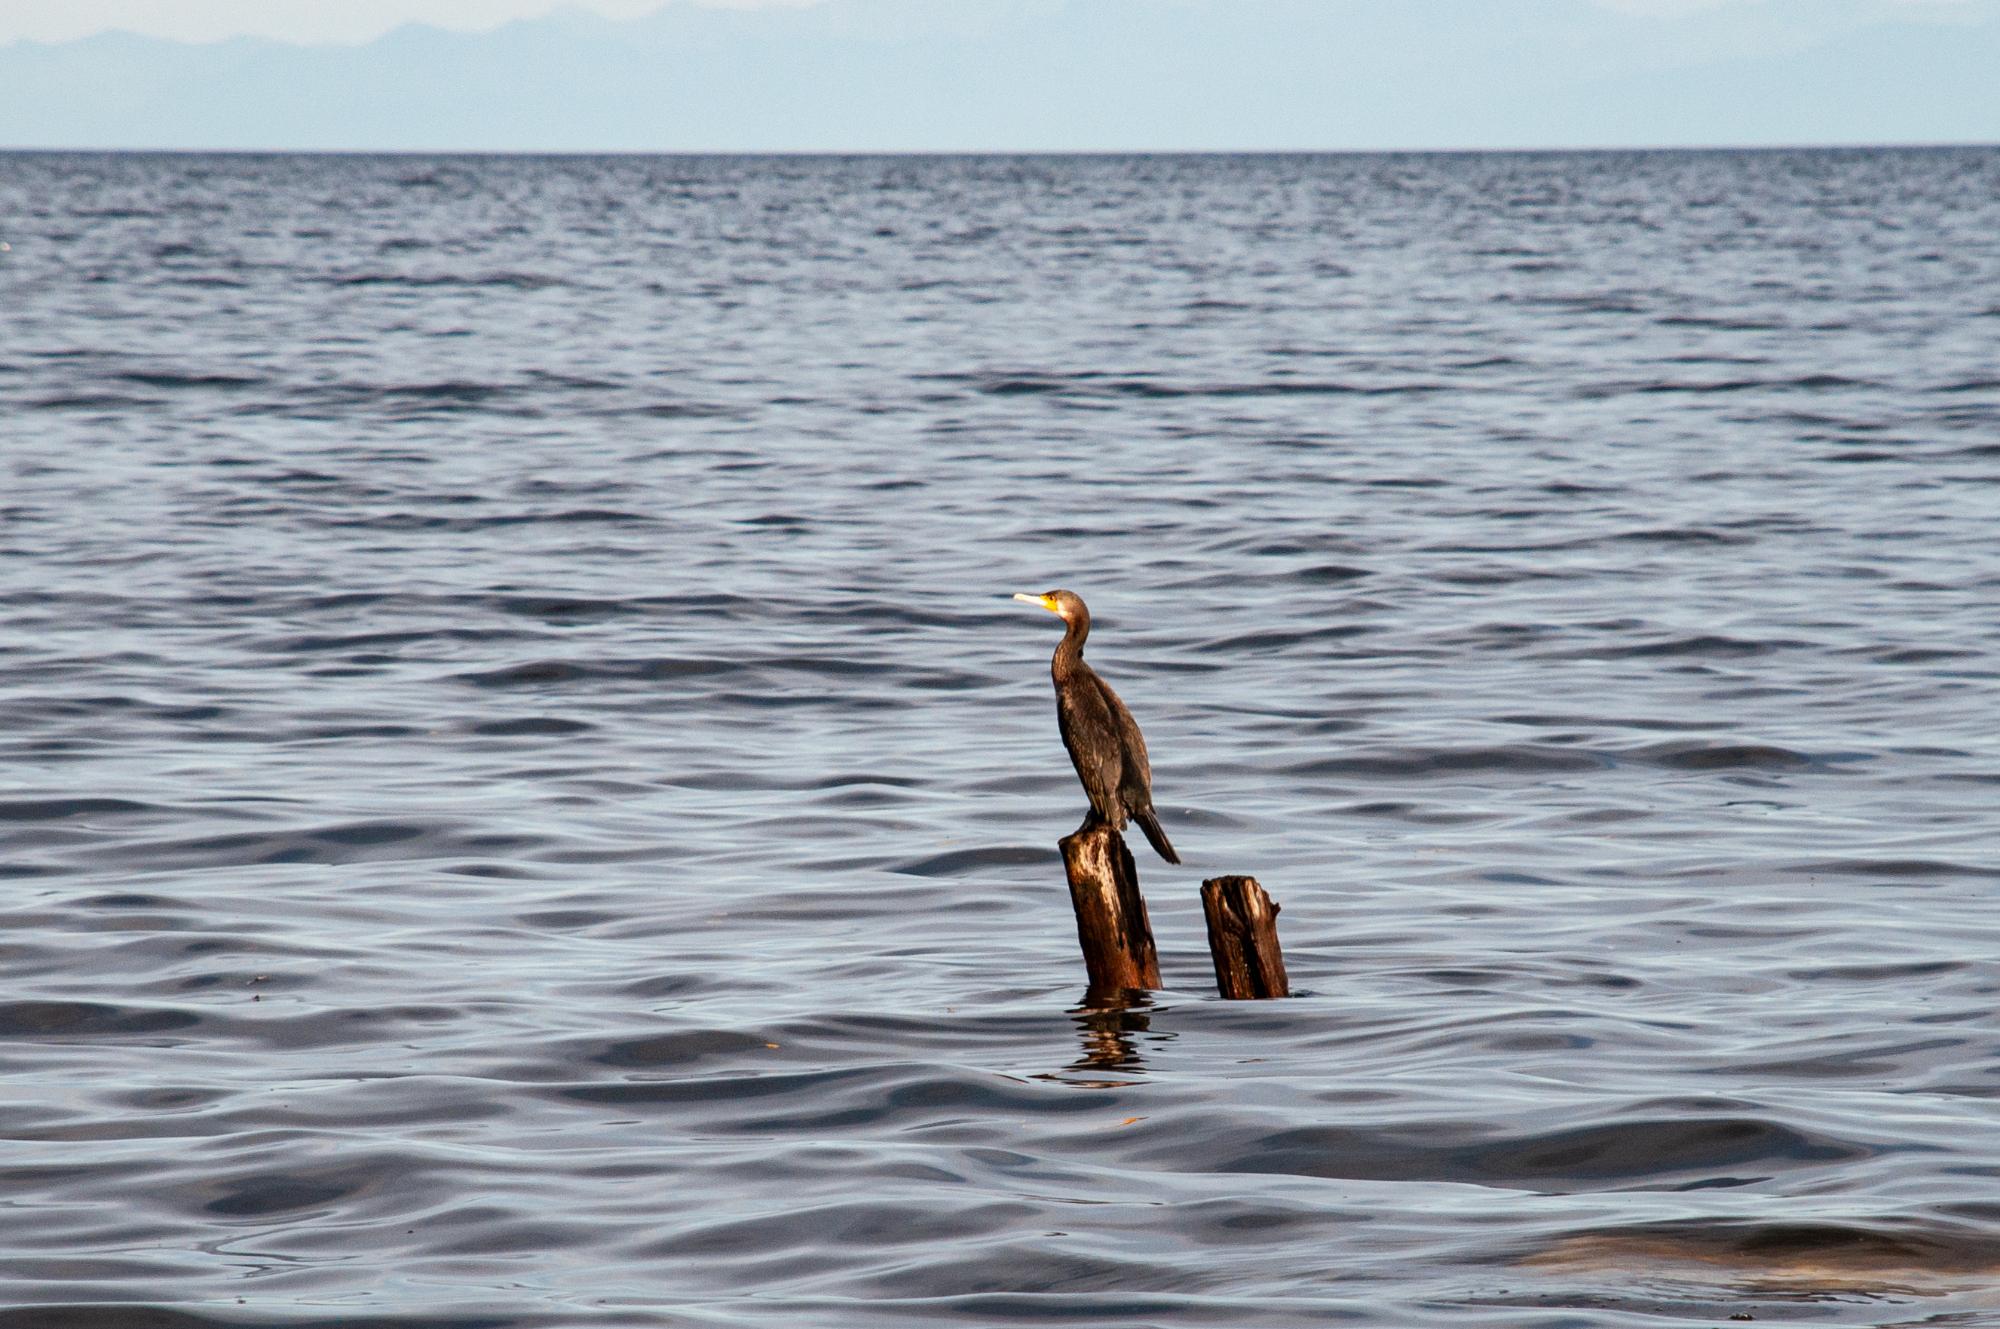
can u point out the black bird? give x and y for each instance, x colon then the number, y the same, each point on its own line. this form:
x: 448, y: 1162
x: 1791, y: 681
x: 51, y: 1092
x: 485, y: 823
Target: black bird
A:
x: 1104, y: 742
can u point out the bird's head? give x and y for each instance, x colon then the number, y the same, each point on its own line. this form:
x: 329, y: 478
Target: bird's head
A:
x: 1066, y: 605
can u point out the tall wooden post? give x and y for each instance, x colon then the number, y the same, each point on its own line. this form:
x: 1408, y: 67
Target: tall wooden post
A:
x: 1243, y: 939
x: 1111, y: 922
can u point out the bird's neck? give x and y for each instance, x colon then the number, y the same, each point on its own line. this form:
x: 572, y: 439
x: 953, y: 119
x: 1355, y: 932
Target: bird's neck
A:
x: 1069, y: 654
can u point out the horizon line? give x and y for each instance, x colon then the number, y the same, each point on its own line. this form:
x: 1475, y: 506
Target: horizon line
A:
x: 1915, y: 145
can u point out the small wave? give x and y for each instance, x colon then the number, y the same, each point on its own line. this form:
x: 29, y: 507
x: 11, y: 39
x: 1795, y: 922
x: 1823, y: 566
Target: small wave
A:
x: 1683, y: 535
x: 135, y: 900
x: 680, y: 1049
x: 424, y: 521
x: 75, y: 1019
x: 515, y: 281
x: 1852, y: 458
x: 1279, y: 640
x: 572, y: 382
x: 350, y: 642
x: 720, y: 1091
x: 1911, y: 655
x: 1328, y: 574
x: 1693, y: 755
x: 1411, y: 765
x: 1801, y: 383
x: 459, y: 390
x: 1718, y: 323
x: 1103, y: 385
x: 340, y: 842
x: 1704, y: 645
x: 268, y: 1194
x: 529, y: 726
x: 1879, y: 973
x: 1592, y: 303
x: 57, y: 809
x: 961, y: 862
x: 540, y: 673
x: 91, y: 401
x: 165, y: 379
x: 1908, y: 869
x: 563, y: 609
x: 870, y: 778
x: 670, y: 410
x: 1604, y: 1156
x: 878, y: 1096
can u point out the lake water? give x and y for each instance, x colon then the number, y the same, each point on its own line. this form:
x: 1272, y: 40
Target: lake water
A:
x: 526, y: 802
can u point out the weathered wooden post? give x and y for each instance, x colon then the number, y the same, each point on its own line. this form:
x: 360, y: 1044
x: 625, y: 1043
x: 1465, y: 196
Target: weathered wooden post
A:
x: 1111, y: 922
x: 1243, y: 939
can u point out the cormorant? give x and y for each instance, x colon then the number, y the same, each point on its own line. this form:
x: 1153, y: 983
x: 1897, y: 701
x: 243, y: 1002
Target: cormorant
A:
x: 1104, y: 742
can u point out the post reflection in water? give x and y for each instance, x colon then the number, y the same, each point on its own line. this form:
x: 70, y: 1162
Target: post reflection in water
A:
x: 1106, y: 1025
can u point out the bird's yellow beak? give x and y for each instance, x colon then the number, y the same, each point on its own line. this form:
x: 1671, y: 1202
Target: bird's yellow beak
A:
x: 1041, y: 600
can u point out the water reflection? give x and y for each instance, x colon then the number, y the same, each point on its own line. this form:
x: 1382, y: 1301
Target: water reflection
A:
x: 1108, y: 1026
x: 1879, y: 1257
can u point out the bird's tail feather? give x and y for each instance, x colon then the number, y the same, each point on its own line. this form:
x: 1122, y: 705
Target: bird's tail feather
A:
x: 1156, y: 837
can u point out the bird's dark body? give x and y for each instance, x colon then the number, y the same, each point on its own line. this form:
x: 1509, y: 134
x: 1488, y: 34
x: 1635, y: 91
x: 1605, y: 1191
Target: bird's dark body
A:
x: 1104, y: 742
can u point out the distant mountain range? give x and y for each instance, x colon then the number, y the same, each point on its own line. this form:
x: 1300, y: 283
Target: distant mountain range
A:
x: 917, y: 75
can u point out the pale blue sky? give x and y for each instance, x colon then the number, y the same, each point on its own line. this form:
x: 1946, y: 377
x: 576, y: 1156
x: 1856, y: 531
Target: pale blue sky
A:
x: 637, y: 75
x: 353, y: 21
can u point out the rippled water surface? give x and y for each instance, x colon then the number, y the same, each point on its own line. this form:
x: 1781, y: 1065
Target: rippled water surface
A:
x: 526, y: 802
